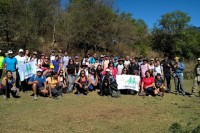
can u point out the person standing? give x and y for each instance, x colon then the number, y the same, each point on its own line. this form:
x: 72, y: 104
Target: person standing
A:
x: 21, y: 59
x: 52, y: 57
x: 1, y: 63
x: 167, y: 66
x: 178, y: 69
x: 65, y: 61
x: 10, y: 63
x: 196, y: 78
x: 71, y: 72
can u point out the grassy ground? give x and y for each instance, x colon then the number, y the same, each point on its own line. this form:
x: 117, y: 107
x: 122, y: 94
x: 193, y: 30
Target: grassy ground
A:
x: 93, y: 113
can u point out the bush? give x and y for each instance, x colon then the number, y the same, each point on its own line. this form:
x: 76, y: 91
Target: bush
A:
x: 175, y: 128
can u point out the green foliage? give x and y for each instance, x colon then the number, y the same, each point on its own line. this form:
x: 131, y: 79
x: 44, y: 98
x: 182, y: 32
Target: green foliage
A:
x: 196, y: 130
x: 175, y: 128
x: 173, y: 35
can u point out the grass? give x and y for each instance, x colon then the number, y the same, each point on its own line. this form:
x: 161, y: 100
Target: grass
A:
x: 92, y: 113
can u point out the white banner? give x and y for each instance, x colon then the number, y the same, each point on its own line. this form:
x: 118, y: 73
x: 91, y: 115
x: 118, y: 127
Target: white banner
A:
x: 128, y: 82
x: 26, y: 70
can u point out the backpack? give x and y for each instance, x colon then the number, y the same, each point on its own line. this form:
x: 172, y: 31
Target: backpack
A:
x: 198, y: 70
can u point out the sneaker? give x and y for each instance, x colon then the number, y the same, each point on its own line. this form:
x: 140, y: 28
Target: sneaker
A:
x: 35, y: 97
x: 4, y: 96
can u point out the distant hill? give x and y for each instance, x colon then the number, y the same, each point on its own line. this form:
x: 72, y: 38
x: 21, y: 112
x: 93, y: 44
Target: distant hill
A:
x: 196, y: 28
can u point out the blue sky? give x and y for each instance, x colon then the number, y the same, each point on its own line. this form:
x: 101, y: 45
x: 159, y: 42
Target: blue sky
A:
x: 152, y: 10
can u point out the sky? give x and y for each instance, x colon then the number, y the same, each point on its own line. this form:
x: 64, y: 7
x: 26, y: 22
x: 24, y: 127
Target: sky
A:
x: 152, y: 10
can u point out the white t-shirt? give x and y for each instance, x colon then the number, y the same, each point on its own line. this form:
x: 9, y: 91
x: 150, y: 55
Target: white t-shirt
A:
x: 52, y: 58
x: 127, y: 62
x: 65, y: 61
x: 158, y: 69
x: 119, y: 68
x: 20, y: 60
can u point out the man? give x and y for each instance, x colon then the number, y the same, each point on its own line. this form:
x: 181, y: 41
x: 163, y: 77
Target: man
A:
x: 10, y: 63
x: 127, y: 61
x: 105, y: 85
x: 178, y: 69
x: 65, y: 60
x: 21, y: 59
x: 38, y: 82
x: 167, y: 65
x: 134, y: 68
x: 196, y: 78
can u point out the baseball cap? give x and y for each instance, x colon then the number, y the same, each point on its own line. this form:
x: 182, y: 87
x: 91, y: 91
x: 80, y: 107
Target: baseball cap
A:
x: 198, y: 59
x: 107, y: 70
x: 38, y: 70
x: 21, y: 50
x: 10, y: 51
x: 76, y: 57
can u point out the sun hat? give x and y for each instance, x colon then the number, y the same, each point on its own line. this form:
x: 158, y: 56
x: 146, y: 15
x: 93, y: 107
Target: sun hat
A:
x: 176, y: 58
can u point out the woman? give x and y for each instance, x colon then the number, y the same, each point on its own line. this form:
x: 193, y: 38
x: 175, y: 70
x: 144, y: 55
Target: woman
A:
x: 9, y: 86
x: 45, y: 64
x: 143, y: 68
x: 158, y: 69
x: 82, y: 83
x: 41, y: 60
x: 27, y: 55
x: 151, y: 66
x: 54, y: 86
x: 113, y: 70
x: 93, y: 78
x: 77, y: 65
x: 62, y: 80
x: 71, y: 72
x: 159, y: 85
x: 148, y: 84
x: 34, y: 58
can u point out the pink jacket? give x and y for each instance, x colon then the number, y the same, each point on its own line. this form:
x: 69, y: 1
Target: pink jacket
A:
x: 113, y: 71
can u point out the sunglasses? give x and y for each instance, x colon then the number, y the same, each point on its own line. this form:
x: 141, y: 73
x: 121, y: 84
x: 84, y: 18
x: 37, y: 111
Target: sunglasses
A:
x: 125, y: 70
x: 82, y: 73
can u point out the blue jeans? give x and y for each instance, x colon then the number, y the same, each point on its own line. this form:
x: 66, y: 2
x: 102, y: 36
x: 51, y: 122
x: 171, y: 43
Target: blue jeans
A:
x: 178, y: 80
x: 71, y: 79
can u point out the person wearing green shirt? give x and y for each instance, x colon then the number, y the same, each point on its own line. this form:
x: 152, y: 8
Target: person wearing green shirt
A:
x: 1, y: 63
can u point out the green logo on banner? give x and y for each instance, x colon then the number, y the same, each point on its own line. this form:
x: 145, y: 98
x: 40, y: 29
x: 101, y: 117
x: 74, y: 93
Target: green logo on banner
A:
x: 28, y: 68
x: 131, y: 81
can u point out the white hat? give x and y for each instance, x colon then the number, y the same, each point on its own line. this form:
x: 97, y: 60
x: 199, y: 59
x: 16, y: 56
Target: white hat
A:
x: 38, y: 70
x: 21, y: 50
x: 107, y: 70
x: 198, y: 59
x: 10, y: 51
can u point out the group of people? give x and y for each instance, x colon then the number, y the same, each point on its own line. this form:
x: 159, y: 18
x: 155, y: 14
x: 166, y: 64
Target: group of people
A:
x: 59, y: 73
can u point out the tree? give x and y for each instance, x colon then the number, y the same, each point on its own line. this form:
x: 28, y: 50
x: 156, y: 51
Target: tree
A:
x: 169, y: 35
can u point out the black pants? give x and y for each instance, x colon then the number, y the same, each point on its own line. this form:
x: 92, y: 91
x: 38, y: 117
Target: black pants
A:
x: 168, y: 78
x: 1, y: 71
x: 81, y: 89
